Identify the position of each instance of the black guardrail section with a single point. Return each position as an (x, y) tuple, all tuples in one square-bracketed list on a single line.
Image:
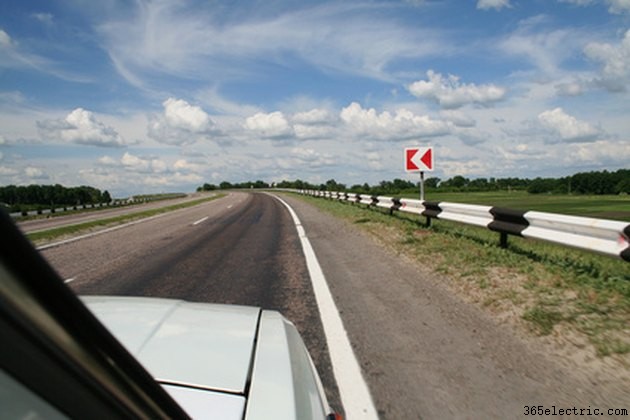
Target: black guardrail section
[(432, 209), (625, 254), (508, 220)]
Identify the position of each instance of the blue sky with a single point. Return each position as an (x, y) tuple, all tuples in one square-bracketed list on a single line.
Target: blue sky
[(149, 96)]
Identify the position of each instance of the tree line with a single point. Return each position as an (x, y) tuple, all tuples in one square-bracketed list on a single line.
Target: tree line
[(18, 198), (595, 182)]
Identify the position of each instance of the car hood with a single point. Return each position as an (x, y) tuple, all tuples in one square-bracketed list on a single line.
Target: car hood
[(218, 361), (187, 347)]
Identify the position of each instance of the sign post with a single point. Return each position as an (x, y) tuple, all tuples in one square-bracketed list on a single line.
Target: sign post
[(421, 185), (419, 159)]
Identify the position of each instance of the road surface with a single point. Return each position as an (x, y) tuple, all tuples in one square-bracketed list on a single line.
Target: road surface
[(423, 352)]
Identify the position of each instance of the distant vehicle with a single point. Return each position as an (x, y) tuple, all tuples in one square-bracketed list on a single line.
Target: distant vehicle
[(193, 359)]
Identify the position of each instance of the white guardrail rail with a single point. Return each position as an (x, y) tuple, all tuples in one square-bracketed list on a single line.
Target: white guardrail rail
[(608, 237)]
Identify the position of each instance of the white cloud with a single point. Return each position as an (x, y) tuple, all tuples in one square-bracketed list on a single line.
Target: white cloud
[(45, 18), (614, 6), (6, 171), (578, 2), (81, 127), (272, 126), (493, 4), (174, 179), (313, 131), (618, 6), (135, 163), (143, 165), (450, 93), (301, 158), (180, 114), (615, 73), (181, 123), (35, 173), (184, 165), (403, 125), (567, 127), (5, 39), (548, 48), (458, 118), (351, 37), (570, 89), (107, 161), (314, 124), (602, 153), (314, 116)]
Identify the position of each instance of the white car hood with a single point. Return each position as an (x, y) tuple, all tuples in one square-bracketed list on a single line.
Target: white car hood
[(200, 353)]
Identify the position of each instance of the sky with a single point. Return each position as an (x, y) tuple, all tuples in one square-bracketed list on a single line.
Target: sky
[(141, 96)]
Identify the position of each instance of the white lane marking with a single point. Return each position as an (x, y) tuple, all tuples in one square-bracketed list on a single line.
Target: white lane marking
[(353, 390), (69, 280), (98, 232), (203, 219)]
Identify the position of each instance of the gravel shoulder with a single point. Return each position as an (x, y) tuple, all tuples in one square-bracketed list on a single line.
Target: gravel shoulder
[(428, 353)]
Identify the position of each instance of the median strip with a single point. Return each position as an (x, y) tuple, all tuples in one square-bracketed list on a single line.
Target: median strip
[(117, 222)]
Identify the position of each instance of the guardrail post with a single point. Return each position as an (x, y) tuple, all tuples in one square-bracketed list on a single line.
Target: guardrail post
[(396, 206), (432, 209), (503, 240)]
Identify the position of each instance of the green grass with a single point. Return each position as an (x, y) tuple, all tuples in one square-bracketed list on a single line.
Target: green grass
[(543, 318), (51, 234), (544, 284)]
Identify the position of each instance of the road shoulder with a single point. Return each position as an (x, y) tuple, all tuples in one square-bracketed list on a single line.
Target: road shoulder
[(426, 353)]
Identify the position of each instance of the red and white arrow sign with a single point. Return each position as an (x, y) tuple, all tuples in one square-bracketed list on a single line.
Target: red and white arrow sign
[(419, 159)]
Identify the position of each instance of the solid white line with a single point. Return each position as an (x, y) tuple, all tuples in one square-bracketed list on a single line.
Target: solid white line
[(203, 219), (353, 390)]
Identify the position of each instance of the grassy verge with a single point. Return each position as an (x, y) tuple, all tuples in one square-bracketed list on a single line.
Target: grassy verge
[(551, 290), (55, 233)]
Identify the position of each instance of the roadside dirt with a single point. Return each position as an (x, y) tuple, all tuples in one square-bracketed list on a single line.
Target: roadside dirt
[(431, 347)]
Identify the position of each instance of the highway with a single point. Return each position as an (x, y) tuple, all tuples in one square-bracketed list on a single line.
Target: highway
[(423, 352)]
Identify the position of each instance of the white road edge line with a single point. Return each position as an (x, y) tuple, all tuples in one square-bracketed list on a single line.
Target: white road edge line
[(353, 390), (203, 219)]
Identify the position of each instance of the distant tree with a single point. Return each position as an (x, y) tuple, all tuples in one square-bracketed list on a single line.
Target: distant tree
[(207, 187), (225, 185), (260, 184), (332, 185), (457, 181), (431, 182), (623, 186)]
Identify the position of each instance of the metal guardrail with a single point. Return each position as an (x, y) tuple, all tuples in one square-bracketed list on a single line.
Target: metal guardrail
[(608, 237)]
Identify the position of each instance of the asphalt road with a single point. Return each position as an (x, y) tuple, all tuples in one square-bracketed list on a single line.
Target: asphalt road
[(240, 249), (423, 352)]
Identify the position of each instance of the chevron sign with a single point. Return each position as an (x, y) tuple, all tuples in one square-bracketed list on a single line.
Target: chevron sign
[(419, 159)]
